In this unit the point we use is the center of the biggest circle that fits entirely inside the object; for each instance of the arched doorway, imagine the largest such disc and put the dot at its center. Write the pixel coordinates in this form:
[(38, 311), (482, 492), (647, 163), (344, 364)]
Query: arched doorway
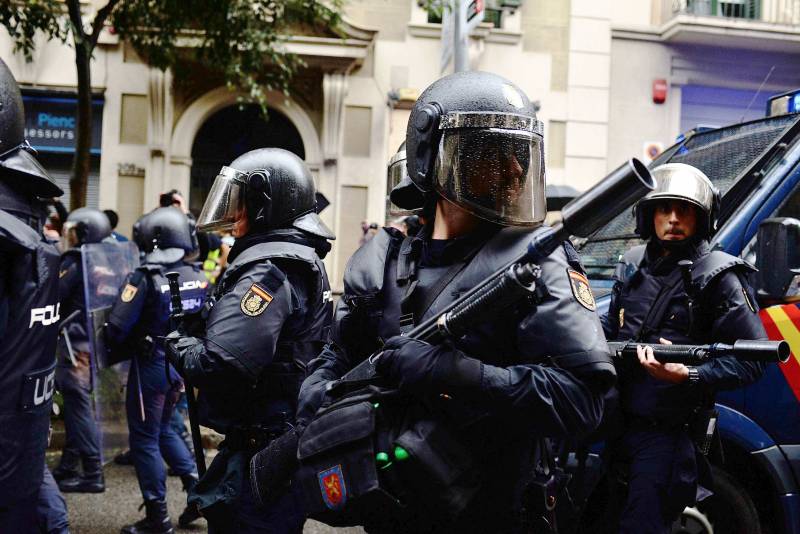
[(229, 133)]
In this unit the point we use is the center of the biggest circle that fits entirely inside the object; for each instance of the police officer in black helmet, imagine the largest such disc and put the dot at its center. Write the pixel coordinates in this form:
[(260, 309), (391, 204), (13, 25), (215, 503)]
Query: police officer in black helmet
[(475, 161), (269, 316), (29, 315), (139, 320), (674, 289), (73, 371)]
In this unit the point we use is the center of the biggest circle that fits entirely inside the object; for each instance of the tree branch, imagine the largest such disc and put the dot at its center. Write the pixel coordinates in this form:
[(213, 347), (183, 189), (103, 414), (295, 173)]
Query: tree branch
[(74, 8), (100, 19)]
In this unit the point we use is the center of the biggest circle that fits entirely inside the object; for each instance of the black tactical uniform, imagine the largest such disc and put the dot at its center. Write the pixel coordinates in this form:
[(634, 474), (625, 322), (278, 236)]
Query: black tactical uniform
[(651, 300), (527, 372), (139, 320), (268, 317), (29, 316), (73, 370)]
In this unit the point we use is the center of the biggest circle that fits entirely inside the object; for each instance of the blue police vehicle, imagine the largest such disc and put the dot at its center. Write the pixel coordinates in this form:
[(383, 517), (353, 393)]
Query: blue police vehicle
[(756, 166)]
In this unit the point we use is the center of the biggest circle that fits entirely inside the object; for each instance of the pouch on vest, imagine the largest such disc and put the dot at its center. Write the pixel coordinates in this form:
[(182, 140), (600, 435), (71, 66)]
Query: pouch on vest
[(370, 454), (338, 470)]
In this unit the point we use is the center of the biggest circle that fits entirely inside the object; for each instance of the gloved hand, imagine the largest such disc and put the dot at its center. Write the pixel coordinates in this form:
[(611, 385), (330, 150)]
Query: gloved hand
[(312, 396), (422, 369), (176, 346)]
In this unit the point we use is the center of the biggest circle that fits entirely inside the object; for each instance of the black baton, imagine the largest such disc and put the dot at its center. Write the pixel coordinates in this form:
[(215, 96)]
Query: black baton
[(176, 316)]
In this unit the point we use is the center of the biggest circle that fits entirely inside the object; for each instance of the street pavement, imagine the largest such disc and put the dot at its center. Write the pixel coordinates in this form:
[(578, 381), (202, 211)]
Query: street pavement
[(106, 513)]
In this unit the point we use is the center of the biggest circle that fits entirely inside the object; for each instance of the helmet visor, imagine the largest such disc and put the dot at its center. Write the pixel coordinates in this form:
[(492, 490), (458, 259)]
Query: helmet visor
[(225, 202), (494, 173), (395, 176), (69, 236)]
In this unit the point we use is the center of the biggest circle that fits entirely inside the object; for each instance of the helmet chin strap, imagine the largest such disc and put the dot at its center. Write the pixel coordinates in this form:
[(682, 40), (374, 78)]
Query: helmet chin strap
[(678, 245)]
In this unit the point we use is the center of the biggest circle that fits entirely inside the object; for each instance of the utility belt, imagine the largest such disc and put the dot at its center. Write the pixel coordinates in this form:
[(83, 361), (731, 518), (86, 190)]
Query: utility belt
[(700, 425), (252, 438), (376, 457)]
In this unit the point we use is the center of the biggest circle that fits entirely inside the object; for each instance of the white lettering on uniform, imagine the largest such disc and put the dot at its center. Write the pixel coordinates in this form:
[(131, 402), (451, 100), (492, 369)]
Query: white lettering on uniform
[(187, 285), (327, 296), (44, 389), (47, 315)]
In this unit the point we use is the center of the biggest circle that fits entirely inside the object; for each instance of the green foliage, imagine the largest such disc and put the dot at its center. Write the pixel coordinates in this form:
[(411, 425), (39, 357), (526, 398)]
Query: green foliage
[(244, 40)]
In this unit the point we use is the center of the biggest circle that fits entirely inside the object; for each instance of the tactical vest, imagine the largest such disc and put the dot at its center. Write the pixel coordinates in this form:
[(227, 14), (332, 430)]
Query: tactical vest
[(281, 379), (342, 481), (27, 357), (210, 264), (667, 306)]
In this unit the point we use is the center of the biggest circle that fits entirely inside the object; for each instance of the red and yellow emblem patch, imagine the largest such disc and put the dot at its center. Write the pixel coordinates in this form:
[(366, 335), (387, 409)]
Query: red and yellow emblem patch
[(581, 290), (332, 486), (255, 301), (128, 292)]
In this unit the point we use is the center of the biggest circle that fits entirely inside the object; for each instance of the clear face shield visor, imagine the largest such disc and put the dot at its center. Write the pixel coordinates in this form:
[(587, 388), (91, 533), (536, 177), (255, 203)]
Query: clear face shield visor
[(69, 236), (397, 171), (225, 203), (492, 165)]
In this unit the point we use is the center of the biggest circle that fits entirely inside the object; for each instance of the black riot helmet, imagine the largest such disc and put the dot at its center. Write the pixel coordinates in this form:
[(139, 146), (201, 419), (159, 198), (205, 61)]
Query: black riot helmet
[(84, 226), (473, 137), (164, 235), (17, 163), (275, 189)]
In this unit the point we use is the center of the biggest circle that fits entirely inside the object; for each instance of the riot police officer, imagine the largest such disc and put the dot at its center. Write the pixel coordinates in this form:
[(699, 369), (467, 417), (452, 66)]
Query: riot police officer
[(675, 289), (269, 316), (139, 320), (29, 316), (73, 370), (476, 163)]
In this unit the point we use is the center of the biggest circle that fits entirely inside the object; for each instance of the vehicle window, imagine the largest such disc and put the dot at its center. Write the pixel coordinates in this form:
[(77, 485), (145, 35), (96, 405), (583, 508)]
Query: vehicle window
[(722, 154), (790, 207)]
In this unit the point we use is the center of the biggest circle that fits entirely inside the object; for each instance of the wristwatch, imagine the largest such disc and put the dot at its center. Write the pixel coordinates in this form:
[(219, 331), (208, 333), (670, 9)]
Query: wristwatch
[(694, 376)]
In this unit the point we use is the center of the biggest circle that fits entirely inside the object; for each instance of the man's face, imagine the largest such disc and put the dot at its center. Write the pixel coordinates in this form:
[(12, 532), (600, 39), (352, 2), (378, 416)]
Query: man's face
[(674, 220)]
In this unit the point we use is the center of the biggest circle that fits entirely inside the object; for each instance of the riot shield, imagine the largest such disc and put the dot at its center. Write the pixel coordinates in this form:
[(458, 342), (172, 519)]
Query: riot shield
[(105, 266)]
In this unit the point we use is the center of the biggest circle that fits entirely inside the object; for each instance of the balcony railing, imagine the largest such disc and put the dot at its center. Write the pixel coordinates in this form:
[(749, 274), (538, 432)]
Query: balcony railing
[(785, 12)]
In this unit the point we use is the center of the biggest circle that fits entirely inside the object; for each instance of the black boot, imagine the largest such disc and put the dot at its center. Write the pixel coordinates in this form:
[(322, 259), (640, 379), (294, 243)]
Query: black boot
[(123, 458), (91, 481), (156, 520), (67, 466), (190, 514)]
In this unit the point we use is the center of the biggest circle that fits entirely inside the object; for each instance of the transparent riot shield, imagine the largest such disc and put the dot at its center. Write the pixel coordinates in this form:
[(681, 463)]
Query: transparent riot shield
[(105, 266)]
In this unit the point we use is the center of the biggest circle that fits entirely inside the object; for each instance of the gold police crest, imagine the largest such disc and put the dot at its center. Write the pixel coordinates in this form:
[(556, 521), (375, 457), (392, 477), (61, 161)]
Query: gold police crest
[(581, 290), (128, 293), (255, 301)]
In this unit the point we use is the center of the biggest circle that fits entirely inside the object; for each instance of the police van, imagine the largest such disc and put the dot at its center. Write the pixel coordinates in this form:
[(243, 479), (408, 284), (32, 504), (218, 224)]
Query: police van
[(756, 166)]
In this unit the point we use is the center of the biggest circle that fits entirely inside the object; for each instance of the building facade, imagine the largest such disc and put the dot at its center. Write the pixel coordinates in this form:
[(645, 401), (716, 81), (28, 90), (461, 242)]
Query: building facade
[(715, 62), (590, 64)]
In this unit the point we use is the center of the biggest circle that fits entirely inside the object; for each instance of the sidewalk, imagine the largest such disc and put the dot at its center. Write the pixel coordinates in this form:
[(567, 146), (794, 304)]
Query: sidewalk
[(106, 513)]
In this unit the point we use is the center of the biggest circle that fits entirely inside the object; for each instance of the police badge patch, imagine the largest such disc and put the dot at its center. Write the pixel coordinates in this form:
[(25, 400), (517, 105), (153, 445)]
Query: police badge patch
[(581, 290), (332, 487), (255, 301), (128, 293)]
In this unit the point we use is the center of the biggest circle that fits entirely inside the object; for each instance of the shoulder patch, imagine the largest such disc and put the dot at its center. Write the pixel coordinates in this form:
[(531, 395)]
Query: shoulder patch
[(128, 292), (581, 290), (255, 301)]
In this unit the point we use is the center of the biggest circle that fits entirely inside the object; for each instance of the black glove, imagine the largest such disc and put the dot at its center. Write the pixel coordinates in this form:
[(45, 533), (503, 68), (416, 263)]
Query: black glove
[(176, 346), (419, 368), (312, 396), (271, 469)]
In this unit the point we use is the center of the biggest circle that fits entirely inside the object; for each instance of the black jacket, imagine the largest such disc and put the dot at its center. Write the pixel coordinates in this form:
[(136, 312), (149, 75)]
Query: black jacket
[(725, 311), (523, 389)]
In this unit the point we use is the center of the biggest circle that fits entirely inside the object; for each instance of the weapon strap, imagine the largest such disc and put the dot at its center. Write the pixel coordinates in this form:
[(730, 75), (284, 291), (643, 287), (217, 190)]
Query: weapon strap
[(672, 285), (418, 300)]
